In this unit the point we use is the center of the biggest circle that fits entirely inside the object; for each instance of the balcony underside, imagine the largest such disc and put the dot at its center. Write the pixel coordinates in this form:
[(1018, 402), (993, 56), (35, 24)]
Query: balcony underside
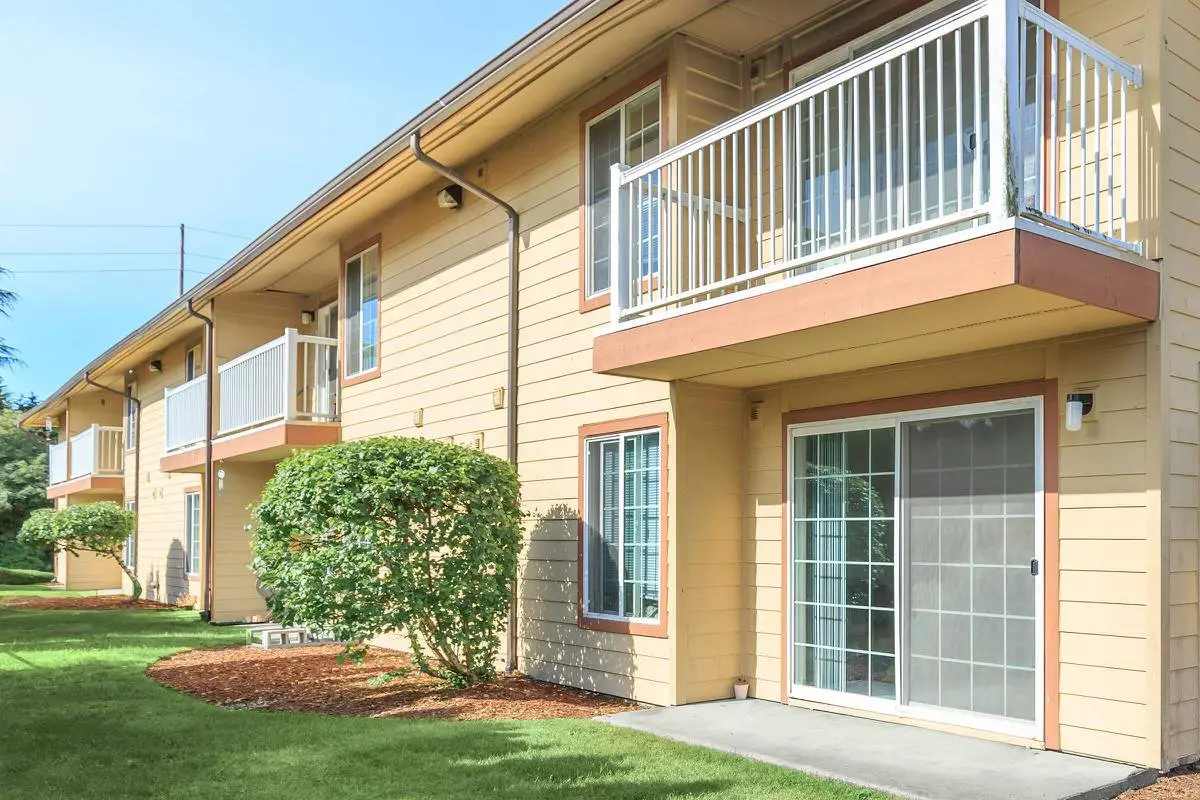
[(87, 486), (998, 289), (271, 443)]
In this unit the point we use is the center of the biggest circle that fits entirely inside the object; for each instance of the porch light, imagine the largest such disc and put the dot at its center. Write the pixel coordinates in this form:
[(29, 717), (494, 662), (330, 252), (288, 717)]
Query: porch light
[(450, 197), (1079, 405)]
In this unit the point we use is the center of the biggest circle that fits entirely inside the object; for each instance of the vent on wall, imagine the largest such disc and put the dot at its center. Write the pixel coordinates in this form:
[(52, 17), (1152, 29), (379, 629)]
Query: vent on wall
[(756, 412)]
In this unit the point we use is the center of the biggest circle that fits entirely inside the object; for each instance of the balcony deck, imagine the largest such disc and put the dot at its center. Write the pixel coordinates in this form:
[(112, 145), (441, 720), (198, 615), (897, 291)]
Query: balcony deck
[(258, 417), (876, 214), (92, 462)]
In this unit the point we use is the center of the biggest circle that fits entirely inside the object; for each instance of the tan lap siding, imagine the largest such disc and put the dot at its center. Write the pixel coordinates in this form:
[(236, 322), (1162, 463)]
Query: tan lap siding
[(444, 284), (235, 596), (1106, 599), (1180, 86)]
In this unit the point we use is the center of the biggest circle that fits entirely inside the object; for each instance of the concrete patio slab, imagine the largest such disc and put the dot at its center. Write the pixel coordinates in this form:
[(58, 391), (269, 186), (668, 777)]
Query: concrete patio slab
[(898, 759)]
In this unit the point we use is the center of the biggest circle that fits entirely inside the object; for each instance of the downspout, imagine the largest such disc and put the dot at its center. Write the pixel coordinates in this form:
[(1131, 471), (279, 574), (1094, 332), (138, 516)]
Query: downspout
[(510, 389), (209, 495), (137, 447)]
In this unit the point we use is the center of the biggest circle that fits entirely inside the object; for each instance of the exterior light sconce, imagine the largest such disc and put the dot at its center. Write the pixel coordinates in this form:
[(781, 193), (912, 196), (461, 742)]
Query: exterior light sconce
[(450, 197), (156, 365), (307, 317), (1079, 405)]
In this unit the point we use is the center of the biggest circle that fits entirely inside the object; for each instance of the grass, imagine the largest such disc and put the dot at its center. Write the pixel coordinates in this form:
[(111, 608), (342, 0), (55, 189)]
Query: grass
[(17, 577), (81, 721)]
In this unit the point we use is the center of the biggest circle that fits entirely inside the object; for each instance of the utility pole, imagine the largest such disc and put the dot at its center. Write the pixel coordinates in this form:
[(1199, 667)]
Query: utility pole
[(181, 235)]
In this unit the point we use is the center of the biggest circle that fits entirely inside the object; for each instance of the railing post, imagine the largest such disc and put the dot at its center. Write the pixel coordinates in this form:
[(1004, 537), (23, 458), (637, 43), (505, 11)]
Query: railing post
[(1003, 108), (289, 372), (96, 446), (618, 250)]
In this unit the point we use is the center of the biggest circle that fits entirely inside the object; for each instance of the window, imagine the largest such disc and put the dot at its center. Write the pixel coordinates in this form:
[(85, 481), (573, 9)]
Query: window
[(622, 549), (192, 523), (129, 555), (362, 312), (130, 418), (191, 364), (627, 134)]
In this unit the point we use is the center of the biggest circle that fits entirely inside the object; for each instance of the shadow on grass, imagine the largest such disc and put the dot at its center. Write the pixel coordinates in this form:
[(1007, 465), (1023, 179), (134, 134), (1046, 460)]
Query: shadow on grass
[(102, 729)]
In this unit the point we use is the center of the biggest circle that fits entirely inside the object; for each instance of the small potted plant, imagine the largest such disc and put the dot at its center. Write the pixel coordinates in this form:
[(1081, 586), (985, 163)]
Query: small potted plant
[(741, 688)]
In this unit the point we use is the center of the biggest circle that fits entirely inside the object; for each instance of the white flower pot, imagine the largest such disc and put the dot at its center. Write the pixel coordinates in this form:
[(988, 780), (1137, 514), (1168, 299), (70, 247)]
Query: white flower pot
[(741, 691)]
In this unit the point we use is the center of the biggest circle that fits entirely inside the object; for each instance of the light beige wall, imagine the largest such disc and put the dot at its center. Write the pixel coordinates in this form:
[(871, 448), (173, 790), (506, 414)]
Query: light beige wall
[(161, 524), (1108, 601), (93, 408), (707, 456), (242, 322), (86, 570), (235, 593), (1178, 83), (443, 351)]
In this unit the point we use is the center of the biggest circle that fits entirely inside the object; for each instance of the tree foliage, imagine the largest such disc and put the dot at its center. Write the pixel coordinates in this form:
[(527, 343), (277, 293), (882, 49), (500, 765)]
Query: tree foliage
[(100, 528), (380, 535), (22, 490)]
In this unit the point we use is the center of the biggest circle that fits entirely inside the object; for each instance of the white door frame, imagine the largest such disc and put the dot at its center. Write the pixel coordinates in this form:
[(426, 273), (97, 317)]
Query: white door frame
[(899, 706)]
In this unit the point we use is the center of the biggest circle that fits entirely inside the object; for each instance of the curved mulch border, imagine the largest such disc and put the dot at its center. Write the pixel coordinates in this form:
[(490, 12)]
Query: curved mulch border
[(310, 679), (1182, 783), (108, 602)]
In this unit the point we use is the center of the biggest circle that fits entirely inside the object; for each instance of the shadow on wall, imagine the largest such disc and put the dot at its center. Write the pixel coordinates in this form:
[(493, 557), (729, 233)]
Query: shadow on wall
[(552, 645), (176, 579)]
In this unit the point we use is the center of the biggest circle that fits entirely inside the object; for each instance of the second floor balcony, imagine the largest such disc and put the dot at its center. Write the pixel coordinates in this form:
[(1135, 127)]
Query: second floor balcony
[(268, 401), (90, 462), (982, 167)]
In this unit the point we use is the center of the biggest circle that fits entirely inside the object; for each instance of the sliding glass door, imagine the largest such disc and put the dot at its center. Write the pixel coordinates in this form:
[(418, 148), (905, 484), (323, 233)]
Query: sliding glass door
[(914, 557)]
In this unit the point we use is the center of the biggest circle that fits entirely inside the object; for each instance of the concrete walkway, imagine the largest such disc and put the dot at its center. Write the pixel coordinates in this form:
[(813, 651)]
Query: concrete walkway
[(898, 759)]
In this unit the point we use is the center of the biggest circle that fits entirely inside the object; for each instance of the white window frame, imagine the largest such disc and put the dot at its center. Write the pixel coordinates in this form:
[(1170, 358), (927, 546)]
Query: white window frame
[(343, 305), (131, 416), (591, 292), (193, 523), (898, 706), (587, 489)]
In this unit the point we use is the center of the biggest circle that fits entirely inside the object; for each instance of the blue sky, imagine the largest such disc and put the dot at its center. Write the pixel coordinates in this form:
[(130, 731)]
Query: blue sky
[(219, 114)]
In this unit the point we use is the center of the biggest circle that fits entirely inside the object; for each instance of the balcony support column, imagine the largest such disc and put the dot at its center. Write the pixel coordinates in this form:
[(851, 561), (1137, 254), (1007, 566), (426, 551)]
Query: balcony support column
[(1004, 112)]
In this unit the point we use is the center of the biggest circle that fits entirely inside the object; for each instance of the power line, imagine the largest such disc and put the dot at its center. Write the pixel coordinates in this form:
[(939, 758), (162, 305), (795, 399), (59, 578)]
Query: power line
[(99, 270), (218, 233), (198, 255), (91, 254), (80, 225)]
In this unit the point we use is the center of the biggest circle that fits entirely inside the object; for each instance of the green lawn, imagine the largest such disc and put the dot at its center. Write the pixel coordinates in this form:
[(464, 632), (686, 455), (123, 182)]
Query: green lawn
[(81, 720)]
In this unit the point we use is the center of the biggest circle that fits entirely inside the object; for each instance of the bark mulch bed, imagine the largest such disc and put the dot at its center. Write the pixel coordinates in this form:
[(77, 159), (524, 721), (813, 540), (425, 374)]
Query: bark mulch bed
[(109, 602), (310, 679), (1178, 784)]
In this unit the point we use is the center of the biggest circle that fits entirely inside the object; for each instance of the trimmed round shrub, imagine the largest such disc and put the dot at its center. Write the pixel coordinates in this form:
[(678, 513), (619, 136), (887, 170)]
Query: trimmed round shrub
[(100, 528), (385, 535)]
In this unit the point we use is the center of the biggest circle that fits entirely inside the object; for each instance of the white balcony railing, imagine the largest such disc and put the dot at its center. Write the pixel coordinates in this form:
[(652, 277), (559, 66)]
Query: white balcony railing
[(98, 450), (890, 150), (58, 463), (294, 377), (184, 415)]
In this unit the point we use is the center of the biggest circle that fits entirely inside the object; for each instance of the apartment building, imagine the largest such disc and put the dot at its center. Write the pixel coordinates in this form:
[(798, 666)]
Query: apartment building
[(847, 346)]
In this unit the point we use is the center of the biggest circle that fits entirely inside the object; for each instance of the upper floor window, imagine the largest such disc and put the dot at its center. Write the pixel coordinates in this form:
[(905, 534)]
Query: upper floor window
[(361, 339), (130, 416), (629, 133), (622, 510)]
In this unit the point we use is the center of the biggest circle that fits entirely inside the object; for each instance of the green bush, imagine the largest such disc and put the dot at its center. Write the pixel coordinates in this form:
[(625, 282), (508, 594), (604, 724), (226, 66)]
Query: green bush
[(100, 528), (380, 535), (22, 577), (17, 555)]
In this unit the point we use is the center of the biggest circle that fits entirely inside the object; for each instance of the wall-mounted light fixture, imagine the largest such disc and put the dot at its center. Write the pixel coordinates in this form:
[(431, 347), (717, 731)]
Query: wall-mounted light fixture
[(307, 317), (1079, 405), (48, 424), (156, 365), (450, 197)]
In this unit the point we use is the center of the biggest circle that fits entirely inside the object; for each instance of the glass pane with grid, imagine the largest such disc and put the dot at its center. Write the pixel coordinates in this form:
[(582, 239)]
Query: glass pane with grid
[(604, 150), (641, 517), (193, 533), (969, 501), (370, 309), (843, 547), (603, 527), (354, 316)]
